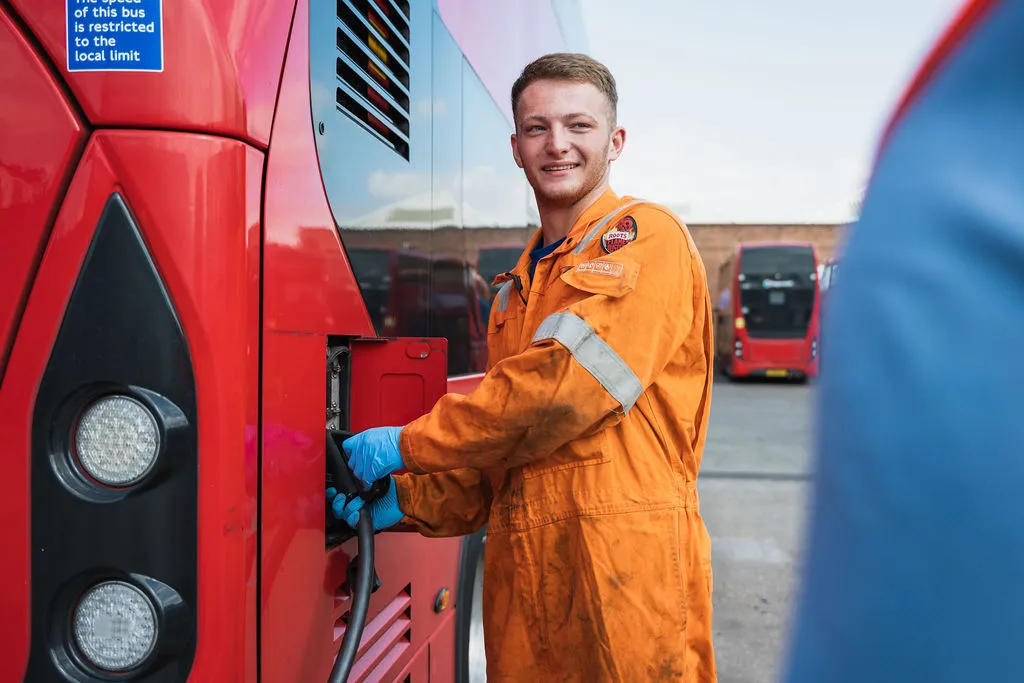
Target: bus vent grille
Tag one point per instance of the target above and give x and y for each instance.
(386, 639)
(373, 68)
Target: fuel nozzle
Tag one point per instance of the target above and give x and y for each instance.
(339, 476)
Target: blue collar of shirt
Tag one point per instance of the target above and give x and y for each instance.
(540, 252)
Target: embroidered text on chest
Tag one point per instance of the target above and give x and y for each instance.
(601, 268)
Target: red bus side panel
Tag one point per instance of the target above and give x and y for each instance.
(309, 293)
(222, 62)
(309, 286)
(40, 136)
(205, 243)
(205, 240)
(58, 271)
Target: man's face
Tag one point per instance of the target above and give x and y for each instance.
(564, 140)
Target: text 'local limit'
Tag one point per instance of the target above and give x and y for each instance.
(115, 35)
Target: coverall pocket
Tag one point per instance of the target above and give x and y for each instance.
(581, 452)
(614, 276)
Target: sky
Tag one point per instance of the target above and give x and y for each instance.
(757, 111)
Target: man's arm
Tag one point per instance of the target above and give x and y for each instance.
(588, 363)
(453, 503)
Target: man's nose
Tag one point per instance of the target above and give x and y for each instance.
(558, 140)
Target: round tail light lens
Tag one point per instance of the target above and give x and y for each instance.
(117, 441)
(115, 626)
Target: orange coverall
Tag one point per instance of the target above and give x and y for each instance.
(580, 450)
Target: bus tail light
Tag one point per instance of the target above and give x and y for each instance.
(108, 440)
(738, 349)
(814, 348)
(116, 441)
(115, 626)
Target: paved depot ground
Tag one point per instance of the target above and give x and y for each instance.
(754, 487)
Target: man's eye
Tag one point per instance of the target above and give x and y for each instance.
(581, 125)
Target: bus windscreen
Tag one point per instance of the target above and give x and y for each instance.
(779, 263)
(777, 291)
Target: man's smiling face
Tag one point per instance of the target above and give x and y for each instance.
(565, 140)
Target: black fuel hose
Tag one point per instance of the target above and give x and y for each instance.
(363, 587)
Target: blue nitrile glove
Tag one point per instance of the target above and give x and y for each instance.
(385, 509)
(374, 454)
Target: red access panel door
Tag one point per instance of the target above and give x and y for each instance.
(394, 381)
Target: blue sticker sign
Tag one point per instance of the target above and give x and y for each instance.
(115, 35)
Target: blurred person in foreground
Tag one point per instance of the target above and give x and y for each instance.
(915, 561)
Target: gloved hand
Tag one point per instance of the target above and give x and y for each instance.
(374, 454)
(385, 509)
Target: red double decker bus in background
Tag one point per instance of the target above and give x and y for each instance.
(211, 269)
(767, 313)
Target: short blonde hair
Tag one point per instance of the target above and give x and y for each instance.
(567, 66)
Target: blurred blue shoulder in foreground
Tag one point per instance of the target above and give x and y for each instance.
(915, 555)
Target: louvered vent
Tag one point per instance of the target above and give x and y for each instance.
(373, 68)
(386, 638)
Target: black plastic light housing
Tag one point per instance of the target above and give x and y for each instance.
(120, 335)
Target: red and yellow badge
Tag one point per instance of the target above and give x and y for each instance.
(620, 235)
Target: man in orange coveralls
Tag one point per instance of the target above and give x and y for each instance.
(580, 447)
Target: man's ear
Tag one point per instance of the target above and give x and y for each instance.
(515, 150)
(617, 142)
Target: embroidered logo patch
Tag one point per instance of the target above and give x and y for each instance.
(606, 268)
(619, 236)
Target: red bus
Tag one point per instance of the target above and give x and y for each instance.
(184, 335)
(767, 322)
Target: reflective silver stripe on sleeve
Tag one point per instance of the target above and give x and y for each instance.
(596, 357)
(601, 225)
(504, 296)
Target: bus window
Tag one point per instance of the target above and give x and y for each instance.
(777, 290)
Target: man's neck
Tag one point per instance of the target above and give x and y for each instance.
(556, 221)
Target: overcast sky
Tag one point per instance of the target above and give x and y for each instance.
(757, 110)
